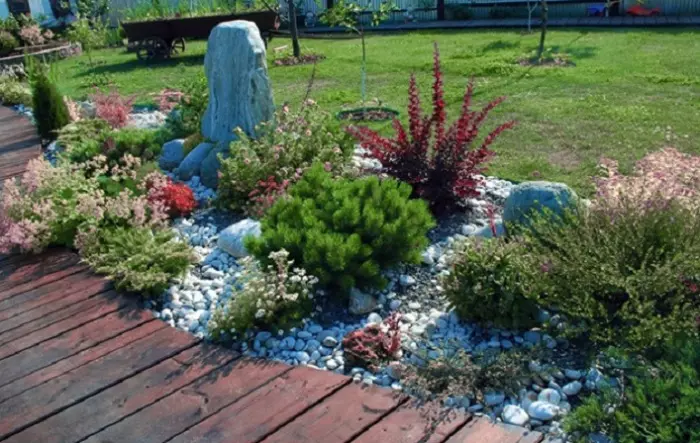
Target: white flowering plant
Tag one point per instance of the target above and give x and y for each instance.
(276, 297)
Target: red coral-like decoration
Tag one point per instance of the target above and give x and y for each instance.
(178, 198)
(373, 344)
(438, 162)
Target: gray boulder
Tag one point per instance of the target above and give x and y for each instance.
(172, 154)
(536, 196)
(191, 165)
(231, 238)
(361, 303)
(209, 171)
(239, 88)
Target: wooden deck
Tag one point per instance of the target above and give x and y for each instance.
(81, 363)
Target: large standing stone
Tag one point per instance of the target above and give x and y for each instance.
(191, 165)
(231, 238)
(239, 89)
(536, 196)
(209, 171)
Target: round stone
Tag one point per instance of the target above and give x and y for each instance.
(550, 396)
(573, 374)
(515, 415)
(542, 410)
(494, 398)
(374, 318)
(330, 342)
(332, 364)
(572, 388)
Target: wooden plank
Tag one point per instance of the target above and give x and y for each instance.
(112, 302)
(61, 367)
(340, 417)
(482, 430)
(39, 403)
(267, 409)
(172, 415)
(43, 280)
(85, 283)
(29, 268)
(70, 298)
(71, 342)
(413, 424)
(47, 319)
(132, 395)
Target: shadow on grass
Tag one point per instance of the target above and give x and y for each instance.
(135, 65)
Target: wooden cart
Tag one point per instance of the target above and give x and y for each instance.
(158, 39)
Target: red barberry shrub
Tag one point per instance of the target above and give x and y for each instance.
(373, 344)
(112, 108)
(440, 162)
(177, 198)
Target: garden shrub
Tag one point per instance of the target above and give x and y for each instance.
(487, 284)
(31, 35)
(177, 198)
(631, 275)
(441, 164)
(191, 142)
(271, 298)
(137, 259)
(112, 107)
(50, 111)
(141, 143)
(72, 136)
(345, 232)
(260, 170)
(462, 374)
(187, 118)
(50, 205)
(8, 43)
(13, 92)
(660, 402)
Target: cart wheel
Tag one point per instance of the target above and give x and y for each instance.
(177, 46)
(153, 48)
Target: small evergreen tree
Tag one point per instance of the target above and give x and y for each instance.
(50, 111)
(345, 232)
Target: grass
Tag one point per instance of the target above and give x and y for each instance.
(631, 91)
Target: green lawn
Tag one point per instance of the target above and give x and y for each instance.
(631, 91)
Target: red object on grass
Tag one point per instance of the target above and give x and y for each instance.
(641, 11)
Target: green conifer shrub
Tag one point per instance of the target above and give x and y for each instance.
(345, 232)
(50, 111)
(487, 284)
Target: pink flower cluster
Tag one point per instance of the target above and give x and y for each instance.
(168, 99)
(659, 178)
(112, 107)
(31, 35)
(62, 205)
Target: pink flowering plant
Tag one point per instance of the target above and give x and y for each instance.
(31, 35)
(61, 205)
(259, 171)
(112, 107)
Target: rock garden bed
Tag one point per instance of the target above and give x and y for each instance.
(396, 261)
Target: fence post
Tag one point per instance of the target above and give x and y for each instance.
(441, 9)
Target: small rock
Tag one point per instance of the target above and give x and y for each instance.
(515, 415)
(361, 303)
(550, 396)
(542, 410)
(374, 318)
(332, 364)
(414, 305)
(231, 238)
(394, 304)
(506, 344)
(172, 154)
(330, 342)
(533, 337)
(573, 374)
(494, 398)
(407, 280)
(572, 388)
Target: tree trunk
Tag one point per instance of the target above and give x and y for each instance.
(543, 34)
(293, 28)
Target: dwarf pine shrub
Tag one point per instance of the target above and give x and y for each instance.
(345, 232)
